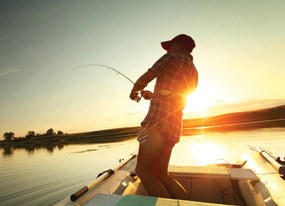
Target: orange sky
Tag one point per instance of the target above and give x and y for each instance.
(239, 56)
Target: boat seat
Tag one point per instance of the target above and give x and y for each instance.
(212, 171)
(243, 174)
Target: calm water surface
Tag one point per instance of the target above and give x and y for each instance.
(43, 177)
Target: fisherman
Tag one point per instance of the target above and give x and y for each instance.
(176, 78)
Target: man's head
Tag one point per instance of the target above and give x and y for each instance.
(183, 40)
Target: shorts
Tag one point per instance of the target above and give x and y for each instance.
(152, 138)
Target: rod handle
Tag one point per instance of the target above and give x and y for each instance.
(75, 196)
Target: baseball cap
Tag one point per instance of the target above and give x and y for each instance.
(188, 42)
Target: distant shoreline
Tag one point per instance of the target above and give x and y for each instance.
(265, 118)
(277, 123)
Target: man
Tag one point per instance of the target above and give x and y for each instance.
(176, 77)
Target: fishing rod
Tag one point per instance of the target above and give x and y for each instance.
(111, 68)
(105, 66)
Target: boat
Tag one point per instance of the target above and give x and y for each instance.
(257, 179)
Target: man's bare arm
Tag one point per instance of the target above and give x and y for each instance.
(141, 83)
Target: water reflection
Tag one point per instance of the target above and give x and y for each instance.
(206, 153)
(25, 180)
(8, 150)
(50, 143)
(240, 126)
(31, 147)
(83, 151)
(210, 151)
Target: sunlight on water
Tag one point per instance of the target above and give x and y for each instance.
(206, 153)
(228, 147)
(43, 176)
(197, 150)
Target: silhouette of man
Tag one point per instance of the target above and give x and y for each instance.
(176, 78)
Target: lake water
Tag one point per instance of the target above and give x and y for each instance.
(45, 176)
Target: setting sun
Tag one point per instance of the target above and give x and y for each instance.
(197, 103)
(203, 98)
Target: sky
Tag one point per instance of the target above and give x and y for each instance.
(239, 56)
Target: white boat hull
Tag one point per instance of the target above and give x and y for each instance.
(256, 183)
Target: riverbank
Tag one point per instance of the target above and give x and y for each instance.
(265, 118)
(248, 120)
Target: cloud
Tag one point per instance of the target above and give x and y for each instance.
(5, 72)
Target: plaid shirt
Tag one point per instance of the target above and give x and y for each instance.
(176, 78)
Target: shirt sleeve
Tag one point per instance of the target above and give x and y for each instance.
(162, 64)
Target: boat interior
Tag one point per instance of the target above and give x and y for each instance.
(208, 184)
(217, 184)
(227, 184)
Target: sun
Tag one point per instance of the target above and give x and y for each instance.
(197, 103)
(200, 101)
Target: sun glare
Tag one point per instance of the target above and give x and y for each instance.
(197, 103)
(206, 95)
(206, 153)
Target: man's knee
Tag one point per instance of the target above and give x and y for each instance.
(138, 171)
(163, 177)
(142, 173)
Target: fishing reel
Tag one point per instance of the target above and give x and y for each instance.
(147, 95)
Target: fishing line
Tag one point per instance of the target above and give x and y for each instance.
(107, 67)
(111, 68)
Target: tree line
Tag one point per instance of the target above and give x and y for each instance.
(9, 136)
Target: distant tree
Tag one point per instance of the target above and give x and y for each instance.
(50, 132)
(31, 134)
(8, 136)
(59, 132)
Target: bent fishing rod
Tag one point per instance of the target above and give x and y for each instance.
(111, 68)
(105, 66)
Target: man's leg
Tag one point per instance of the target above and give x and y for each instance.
(174, 188)
(144, 169)
(151, 143)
